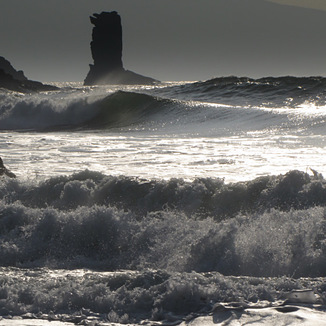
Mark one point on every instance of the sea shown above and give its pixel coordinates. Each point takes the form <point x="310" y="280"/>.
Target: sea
<point x="150" y="205"/>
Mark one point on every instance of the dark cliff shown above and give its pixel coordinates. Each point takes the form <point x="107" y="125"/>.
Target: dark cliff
<point x="15" y="80"/>
<point x="106" y="48"/>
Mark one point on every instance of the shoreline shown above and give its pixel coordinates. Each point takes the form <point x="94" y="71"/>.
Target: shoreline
<point x="307" y="315"/>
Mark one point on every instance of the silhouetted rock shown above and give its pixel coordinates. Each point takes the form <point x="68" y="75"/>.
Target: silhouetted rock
<point x="15" y="80"/>
<point x="106" y="47"/>
<point x="6" y="66"/>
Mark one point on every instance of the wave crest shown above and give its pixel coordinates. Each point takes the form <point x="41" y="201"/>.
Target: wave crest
<point x="97" y="221"/>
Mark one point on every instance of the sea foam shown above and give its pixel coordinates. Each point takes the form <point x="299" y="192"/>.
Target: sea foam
<point x="92" y="220"/>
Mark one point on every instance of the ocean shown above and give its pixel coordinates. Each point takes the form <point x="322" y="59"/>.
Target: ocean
<point x="150" y="205"/>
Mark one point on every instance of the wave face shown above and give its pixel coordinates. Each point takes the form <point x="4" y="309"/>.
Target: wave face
<point x="269" y="226"/>
<point x="126" y="108"/>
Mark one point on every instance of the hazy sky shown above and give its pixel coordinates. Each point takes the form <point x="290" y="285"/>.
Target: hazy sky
<point x="169" y="39"/>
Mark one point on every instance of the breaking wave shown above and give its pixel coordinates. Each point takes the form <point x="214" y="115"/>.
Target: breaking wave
<point x="269" y="226"/>
<point x="113" y="111"/>
<point x="139" y="111"/>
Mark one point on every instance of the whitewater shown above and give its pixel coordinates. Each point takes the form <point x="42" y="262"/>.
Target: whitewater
<point x="192" y="203"/>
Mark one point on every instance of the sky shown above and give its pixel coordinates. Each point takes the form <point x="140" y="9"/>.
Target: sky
<point x="169" y="39"/>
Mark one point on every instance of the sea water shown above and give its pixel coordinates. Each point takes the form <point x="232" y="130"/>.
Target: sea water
<point x="143" y="204"/>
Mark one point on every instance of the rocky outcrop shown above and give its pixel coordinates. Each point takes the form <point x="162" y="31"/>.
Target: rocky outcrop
<point x="6" y="66"/>
<point x="15" y="80"/>
<point x="106" y="48"/>
<point x="5" y="171"/>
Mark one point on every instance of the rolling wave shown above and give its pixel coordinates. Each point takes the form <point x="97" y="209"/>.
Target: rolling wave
<point x="120" y="109"/>
<point x="137" y="111"/>
<point x="226" y="103"/>
<point x="274" y="92"/>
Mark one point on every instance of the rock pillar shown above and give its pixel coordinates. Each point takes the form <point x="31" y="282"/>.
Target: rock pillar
<point x="106" y="48"/>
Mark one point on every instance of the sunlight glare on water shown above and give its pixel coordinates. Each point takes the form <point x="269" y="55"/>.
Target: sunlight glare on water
<point x="235" y="158"/>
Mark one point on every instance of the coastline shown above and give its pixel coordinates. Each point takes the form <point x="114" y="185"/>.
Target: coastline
<point x="306" y="315"/>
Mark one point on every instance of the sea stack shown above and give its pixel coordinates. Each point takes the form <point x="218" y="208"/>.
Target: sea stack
<point x="106" y="48"/>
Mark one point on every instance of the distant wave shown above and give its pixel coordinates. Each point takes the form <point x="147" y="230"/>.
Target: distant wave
<point x="274" y="92"/>
<point x="93" y="220"/>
